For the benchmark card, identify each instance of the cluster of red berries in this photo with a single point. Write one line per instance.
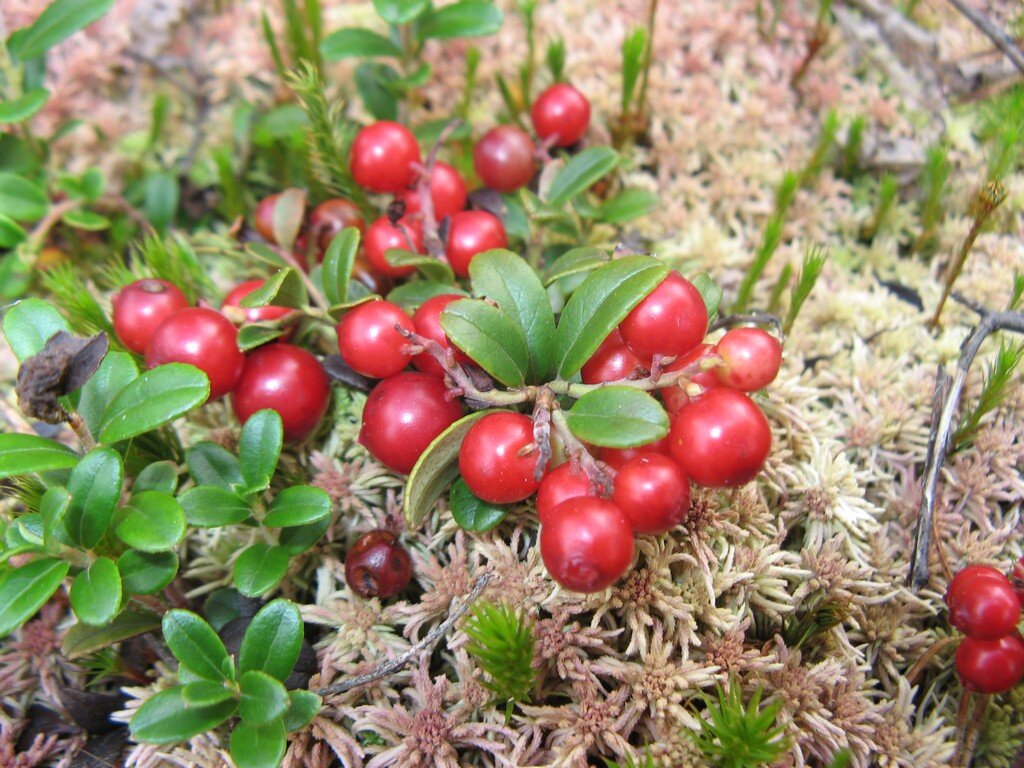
(153, 318)
(986, 606)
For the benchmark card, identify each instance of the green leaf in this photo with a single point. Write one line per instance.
(252, 335)
(409, 296)
(153, 399)
(210, 506)
(302, 708)
(60, 20)
(629, 204)
(194, 643)
(96, 592)
(152, 522)
(273, 640)
(297, 539)
(25, 454)
(205, 693)
(490, 338)
(599, 304)
(11, 232)
(576, 261)
(506, 279)
(263, 698)
(160, 199)
(92, 184)
(25, 590)
(159, 476)
(258, 746)
(618, 417)
(282, 289)
(286, 219)
(298, 505)
(467, 18)
(85, 220)
(260, 568)
(709, 291)
(95, 488)
(355, 41)
(259, 448)
(428, 266)
(166, 718)
(211, 464)
(471, 512)
(144, 573)
(116, 372)
(82, 639)
(21, 199)
(53, 506)
(580, 173)
(633, 48)
(337, 268)
(22, 108)
(400, 11)
(30, 323)
(435, 470)
(373, 81)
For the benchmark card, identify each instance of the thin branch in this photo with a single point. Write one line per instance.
(1002, 40)
(395, 664)
(431, 238)
(600, 474)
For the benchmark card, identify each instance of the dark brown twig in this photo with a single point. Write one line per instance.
(1002, 40)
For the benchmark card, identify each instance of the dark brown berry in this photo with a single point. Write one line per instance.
(377, 565)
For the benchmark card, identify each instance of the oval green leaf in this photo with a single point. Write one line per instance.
(490, 338)
(143, 573)
(471, 512)
(618, 417)
(116, 372)
(263, 698)
(260, 568)
(273, 640)
(298, 505)
(153, 399)
(400, 11)
(95, 488)
(205, 693)
(467, 18)
(152, 522)
(11, 232)
(21, 199)
(283, 289)
(60, 20)
(337, 268)
(82, 639)
(302, 708)
(581, 172)
(96, 592)
(428, 266)
(409, 296)
(167, 717)
(258, 746)
(29, 324)
(356, 41)
(22, 108)
(211, 464)
(298, 538)
(195, 645)
(25, 590)
(259, 448)
(25, 454)
(576, 261)
(629, 204)
(159, 476)
(210, 506)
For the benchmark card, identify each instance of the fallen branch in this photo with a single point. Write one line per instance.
(1002, 40)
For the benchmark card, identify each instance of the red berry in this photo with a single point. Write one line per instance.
(560, 484)
(253, 314)
(287, 379)
(384, 156)
(496, 459)
(470, 233)
(613, 361)
(332, 216)
(383, 236)
(403, 415)
(561, 111)
(263, 218)
(586, 544)
(368, 341)
(427, 320)
(503, 158)
(751, 359)
(982, 603)
(675, 397)
(140, 307)
(721, 439)
(377, 565)
(991, 666)
(203, 338)
(671, 321)
(447, 192)
(617, 457)
(652, 491)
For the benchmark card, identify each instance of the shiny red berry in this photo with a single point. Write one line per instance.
(253, 314)
(613, 361)
(470, 233)
(447, 193)
(382, 236)
(675, 396)
(561, 484)
(991, 666)
(332, 216)
(721, 439)
(982, 603)
(561, 111)
(368, 341)
(497, 458)
(427, 320)
(203, 338)
(403, 415)
(670, 321)
(653, 492)
(586, 544)
(140, 307)
(503, 158)
(751, 359)
(287, 379)
(617, 457)
(377, 565)
(384, 157)
(263, 218)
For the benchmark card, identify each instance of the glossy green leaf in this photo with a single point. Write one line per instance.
(22, 108)
(337, 268)
(205, 693)
(490, 338)
(258, 746)
(298, 505)
(286, 220)
(297, 539)
(506, 279)
(11, 232)
(428, 266)
(259, 448)
(356, 42)
(166, 718)
(260, 568)
(159, 476)
(373, 81)
(282, 289)
(25, 590)
(467, 18)
(581, 172)
(25, 454)
(576, 261)
(95, 488)
(210, 506)
(151, 522)
(211, 464)
(471, 512)
(629, 204)
(21, 199)
(272, 640)
(709, 291)
(160, 197)
(252, 335)
(400, 11)
(194, 643)
(143, 573)
(60, 20)
(86, 220)
(618, 417)
(96, 592)
(116, 372)
(302, 708)
(263, 698)
(599, 305)
(633, 48)
(153, 399)
(82, 639)
(53, 506)
(30, 323)
(411, 295)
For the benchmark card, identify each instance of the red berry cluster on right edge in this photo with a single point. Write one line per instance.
(986, 607)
